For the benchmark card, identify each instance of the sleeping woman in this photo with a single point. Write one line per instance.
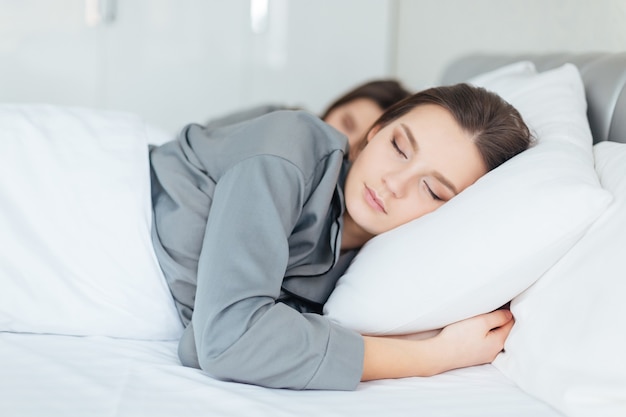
(255, 221)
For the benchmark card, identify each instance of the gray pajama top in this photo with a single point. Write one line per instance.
(247, 229)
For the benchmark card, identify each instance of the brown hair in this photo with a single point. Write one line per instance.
(497, 128)
(384, 93)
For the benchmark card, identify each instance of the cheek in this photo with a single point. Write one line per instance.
(334, 123)
(334, 119)
(352, 188)
(352, 138)
(415, 208)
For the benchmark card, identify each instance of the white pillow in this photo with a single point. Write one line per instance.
(494, 239)
(75, 216)
(510, 74)
(567, 346)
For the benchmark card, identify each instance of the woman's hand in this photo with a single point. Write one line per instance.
(469, 342)
(476, 340)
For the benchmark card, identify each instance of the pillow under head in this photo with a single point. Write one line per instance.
(497, 237)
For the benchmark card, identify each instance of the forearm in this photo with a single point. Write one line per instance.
(473, 341)
(399, 358)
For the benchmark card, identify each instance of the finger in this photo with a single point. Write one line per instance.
(504, 330)
(498, 318)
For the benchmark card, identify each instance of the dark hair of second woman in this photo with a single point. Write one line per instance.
(497, 128)
(384, 93)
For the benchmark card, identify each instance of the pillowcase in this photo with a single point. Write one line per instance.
(494, 239)
(567, 346)
(503, 77)
(75, 215)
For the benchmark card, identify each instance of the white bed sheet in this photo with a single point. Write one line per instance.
(52, 375)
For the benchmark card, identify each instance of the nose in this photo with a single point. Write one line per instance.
(397, 182)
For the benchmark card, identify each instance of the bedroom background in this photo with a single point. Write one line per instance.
(175, 61)
(103, 340)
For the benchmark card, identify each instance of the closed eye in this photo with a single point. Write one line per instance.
(432, 194)
(348, 123)
(397, 148)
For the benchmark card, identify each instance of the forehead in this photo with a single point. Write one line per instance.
(362, 107)
(433, 125)
(442, 143)
(432, 118)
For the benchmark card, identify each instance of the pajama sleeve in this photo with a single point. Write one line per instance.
(241, 333)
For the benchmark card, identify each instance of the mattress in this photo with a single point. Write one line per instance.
(54, 375)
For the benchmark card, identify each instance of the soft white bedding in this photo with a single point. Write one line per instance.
(53, 375)
(88, 327)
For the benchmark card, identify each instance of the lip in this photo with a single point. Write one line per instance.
(373, 200)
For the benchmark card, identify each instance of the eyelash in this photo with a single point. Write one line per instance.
(397, 148)
(432, 194)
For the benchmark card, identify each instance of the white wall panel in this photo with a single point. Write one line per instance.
(47, 52)
(313, 50)
(177, 61)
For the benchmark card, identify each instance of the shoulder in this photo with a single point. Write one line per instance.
(302, 128)
(296, 136)
(305, 140)
(244, 114)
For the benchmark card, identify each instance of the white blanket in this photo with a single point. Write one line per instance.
(50, 375)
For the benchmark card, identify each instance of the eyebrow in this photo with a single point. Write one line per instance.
(446, 182)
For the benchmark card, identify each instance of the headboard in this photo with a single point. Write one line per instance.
(604, 76)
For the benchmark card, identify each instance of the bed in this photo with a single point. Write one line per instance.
(87, 326)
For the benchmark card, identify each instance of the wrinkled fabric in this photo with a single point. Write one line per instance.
(247, 229)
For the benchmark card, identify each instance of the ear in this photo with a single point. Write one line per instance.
(372, 133)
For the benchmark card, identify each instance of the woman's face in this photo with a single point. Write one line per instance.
(354, 118)
(409, 168)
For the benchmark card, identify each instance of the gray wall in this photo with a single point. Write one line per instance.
(431, 33)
